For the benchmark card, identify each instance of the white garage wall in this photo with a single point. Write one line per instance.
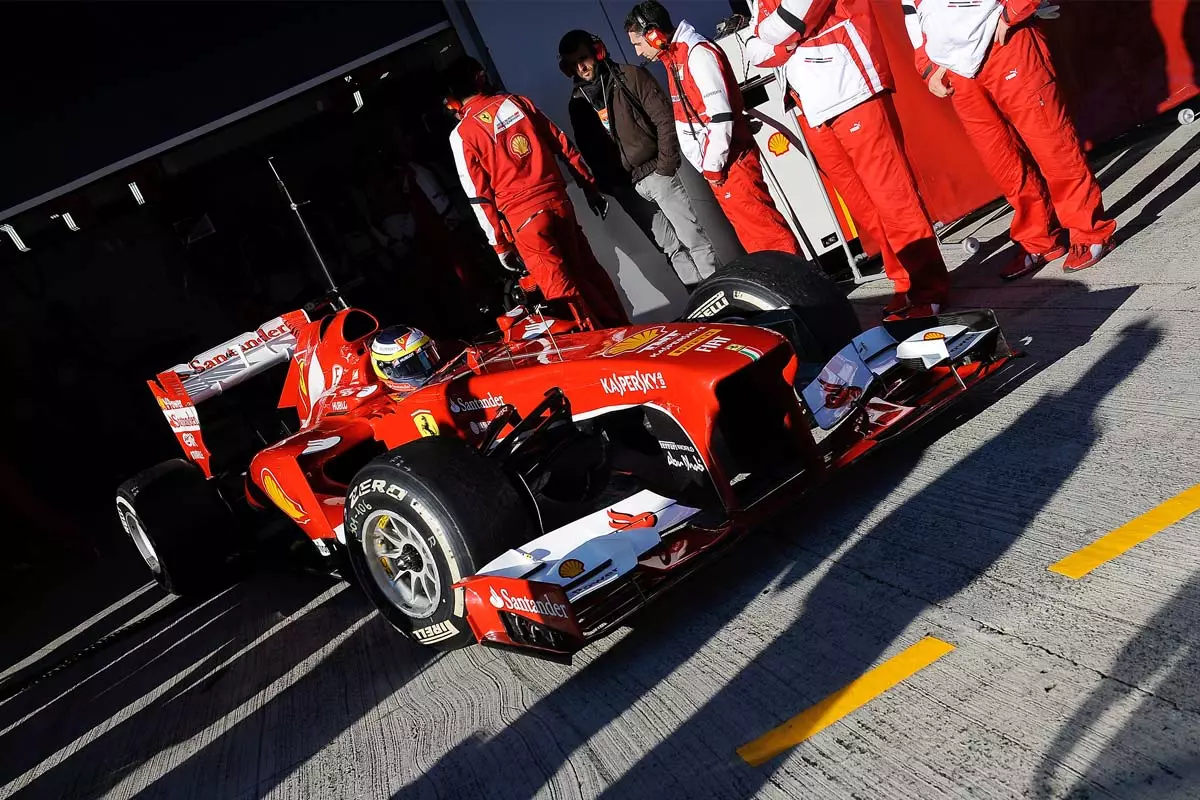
(521, 38)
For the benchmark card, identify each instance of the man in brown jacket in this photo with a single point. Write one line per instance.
(623, 124)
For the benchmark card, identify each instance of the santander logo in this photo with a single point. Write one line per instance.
(546, 608)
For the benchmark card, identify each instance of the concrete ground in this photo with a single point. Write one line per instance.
(288, 686)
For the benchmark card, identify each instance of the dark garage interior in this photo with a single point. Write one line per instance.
(186, 102)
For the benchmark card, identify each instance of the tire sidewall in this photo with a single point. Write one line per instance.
(403, 495)
(127, 503)
(730, 297)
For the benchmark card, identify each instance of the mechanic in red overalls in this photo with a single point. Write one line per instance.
(713, 133)
(993, 64)
(837, 72)
(504, 149)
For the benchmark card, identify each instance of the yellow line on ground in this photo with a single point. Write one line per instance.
(1132, 533)
(855, 694)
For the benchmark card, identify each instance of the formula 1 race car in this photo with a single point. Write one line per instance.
(549, 482)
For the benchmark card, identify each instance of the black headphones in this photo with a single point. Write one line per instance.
(598, 50)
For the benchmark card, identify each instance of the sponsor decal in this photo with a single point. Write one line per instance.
(682, 456)
(426, 424)
(571, 568)
(210, 359)
(690, 462)
(182, 419)
(435, 633)
(619, 520)
(512, 117)
(547, 608)
(694, 342)
(778, 144)
(460, 406)
(592, 583)
(519, 145)
(368, 391)
(712, 307)
(189, 440)
(933, 335)
(279, 497)
(633, 342)
(339, 405)
(322, 548)
(713, 344)
(637, 382)
(485, 117)
(751, 353)
(196, 455)
(320, 445)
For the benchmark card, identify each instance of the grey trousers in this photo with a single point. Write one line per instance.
(661, 207)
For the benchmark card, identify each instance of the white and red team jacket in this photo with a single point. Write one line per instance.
(956, 34)
(831, 51)
(707, 102)
(504, 150)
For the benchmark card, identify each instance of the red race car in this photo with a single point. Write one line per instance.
(532, 491)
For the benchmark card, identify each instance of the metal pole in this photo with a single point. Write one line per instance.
(333, 287)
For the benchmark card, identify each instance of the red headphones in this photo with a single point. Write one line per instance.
(598, 50)
(653, 34)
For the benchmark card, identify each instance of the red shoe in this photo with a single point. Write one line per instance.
(1086, 255)
(915, 310)
(898, 302)
(1024, 263)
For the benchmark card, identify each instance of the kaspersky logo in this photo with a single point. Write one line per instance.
(546, 608)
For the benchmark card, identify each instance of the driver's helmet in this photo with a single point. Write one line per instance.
(404, 358)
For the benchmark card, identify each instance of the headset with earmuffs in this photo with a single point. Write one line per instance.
(654, 35)
(598, 50)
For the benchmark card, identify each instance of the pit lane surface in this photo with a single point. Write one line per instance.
(287, 686)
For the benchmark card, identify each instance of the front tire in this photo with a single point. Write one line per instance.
(422, 517)
(183, 529)
(770, 280)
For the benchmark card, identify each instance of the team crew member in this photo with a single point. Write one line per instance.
(995, 67)
(623, 123)
(837, 71)
(713, 133)
(504, 149)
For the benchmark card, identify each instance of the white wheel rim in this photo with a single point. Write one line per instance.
(402, 564)
(132, 524)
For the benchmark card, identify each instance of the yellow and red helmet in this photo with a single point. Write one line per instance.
(404, 358)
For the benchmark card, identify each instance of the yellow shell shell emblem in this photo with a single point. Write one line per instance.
(275, 492)
(933, 335)
(519, 145)
(778, 144)
(571, 568)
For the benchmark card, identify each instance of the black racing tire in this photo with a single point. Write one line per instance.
(771, 280)
(181, 526)
(445, 510)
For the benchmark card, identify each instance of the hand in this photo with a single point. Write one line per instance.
(1001, 32)
(598, 203)
(937, 84)
(511, 261)
(1047, 11)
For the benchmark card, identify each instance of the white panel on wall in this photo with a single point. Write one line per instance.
(521, 37)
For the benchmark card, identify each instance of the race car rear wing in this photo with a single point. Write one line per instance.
(181, 388)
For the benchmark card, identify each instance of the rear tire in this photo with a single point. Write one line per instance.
(422, 517)
(183, 529)
(770, 280)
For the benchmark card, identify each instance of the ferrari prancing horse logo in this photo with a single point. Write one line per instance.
(519, 145)
(426, 424)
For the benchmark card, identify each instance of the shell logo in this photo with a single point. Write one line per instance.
(571, 568)
(778, 144)
(933, 336)
(519, 145)
(634, 342)
(275, 492)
